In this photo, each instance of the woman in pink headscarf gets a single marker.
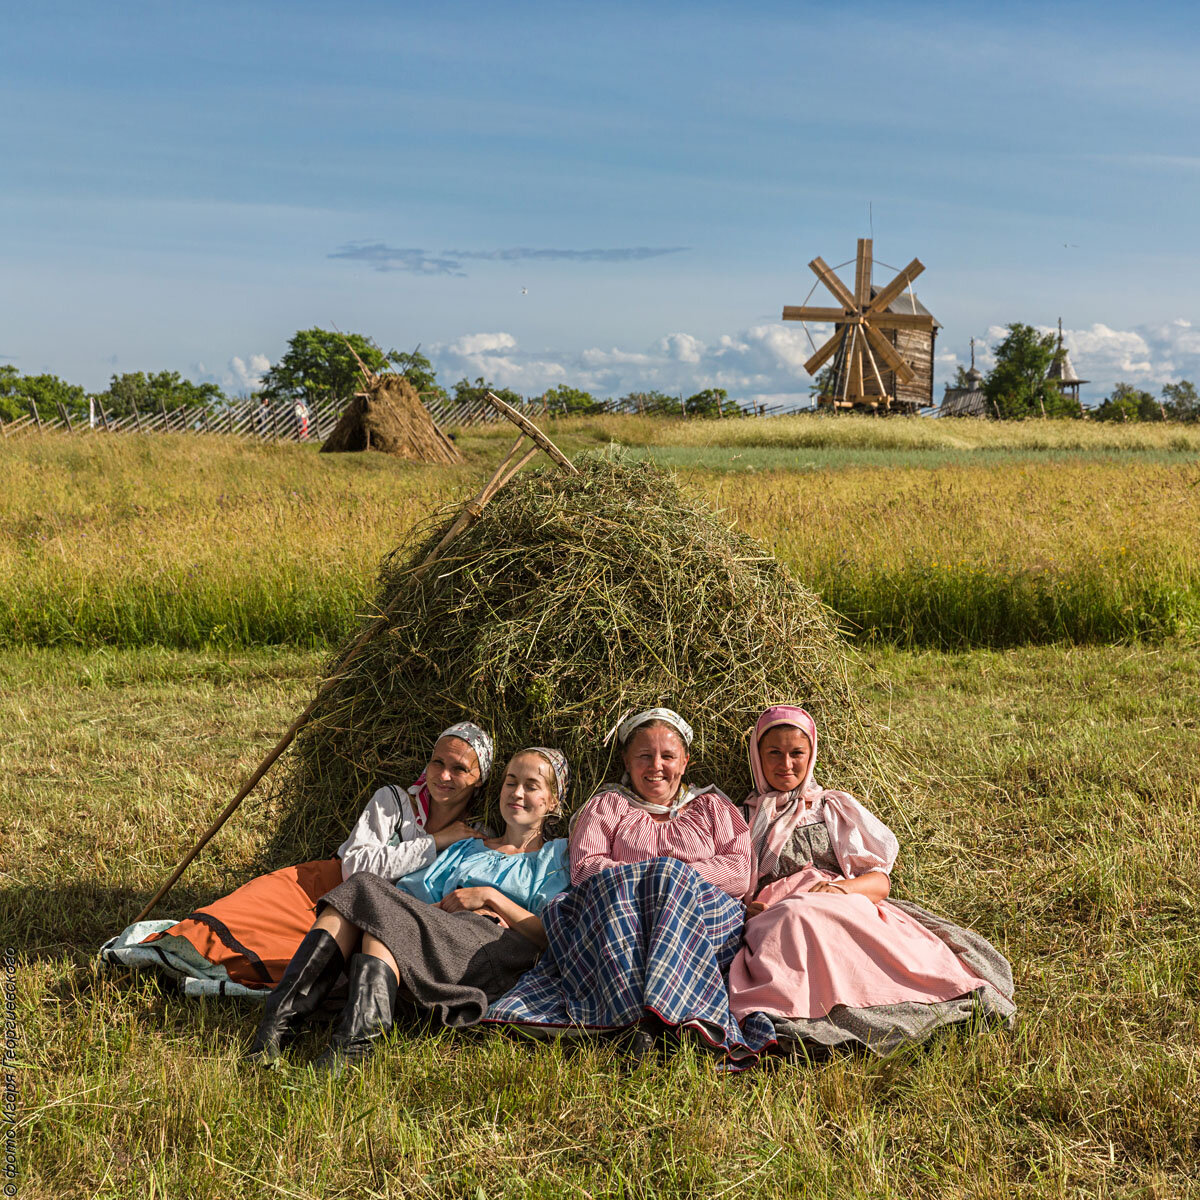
(827, 956)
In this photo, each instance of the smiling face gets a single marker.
(452, 773)
(528, 794)
(655, 758)
(786, 754)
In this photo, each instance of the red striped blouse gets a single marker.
(709, 835)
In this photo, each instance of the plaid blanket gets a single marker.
(649, 937)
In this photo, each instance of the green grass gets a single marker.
(1051, 801)
(1049, 532)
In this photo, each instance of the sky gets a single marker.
(616, 197)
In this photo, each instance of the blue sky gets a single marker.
(184, 186)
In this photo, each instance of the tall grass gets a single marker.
(187, 542)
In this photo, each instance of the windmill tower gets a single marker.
(881, 350)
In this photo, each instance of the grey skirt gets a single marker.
(452, 965)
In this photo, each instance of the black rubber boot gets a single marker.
(367, 1016)
(308, 979)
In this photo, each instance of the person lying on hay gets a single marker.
(654, 917)
(827, 956)
(448, 938)
(241, 943)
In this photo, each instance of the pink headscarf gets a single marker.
(861, 841)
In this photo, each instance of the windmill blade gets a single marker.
(889, 320)
(803, 312)
(862, 274)
(836, 287)
(887, 352)
(825, 353)
(894, 288)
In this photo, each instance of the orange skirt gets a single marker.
(254, 931)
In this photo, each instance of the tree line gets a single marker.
(322, 364)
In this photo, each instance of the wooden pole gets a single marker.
(37, 417)
(467, 516)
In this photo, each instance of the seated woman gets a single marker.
(827, 956)
(254, 931)
(447, 938)
(654, 917)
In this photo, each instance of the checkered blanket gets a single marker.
(649, 937)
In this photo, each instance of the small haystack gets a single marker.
(571, 600)
(390, 417)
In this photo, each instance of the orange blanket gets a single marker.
(254, 931)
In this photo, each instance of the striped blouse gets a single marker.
(709, 835)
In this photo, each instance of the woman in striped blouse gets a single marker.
(645, 936)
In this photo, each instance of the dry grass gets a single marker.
(1053, 806)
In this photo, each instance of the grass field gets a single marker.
(1052, 805)
(974, 535)
(165, 605)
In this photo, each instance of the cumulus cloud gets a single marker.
(239, 375)
(416, 261)
(762, 364)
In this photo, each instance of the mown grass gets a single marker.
(1051, 802)
(192, 542)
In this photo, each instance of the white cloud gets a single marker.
(765, 363)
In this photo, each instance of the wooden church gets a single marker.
(880, 356)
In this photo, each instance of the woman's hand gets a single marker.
(456, 831)
(828, 887)
(754, 908)
(470, 899)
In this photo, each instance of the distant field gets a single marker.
(975, 534)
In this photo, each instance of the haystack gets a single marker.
(571, 601)
(390, 417)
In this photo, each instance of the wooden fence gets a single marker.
(277, 421)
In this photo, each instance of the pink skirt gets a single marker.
(808, 952)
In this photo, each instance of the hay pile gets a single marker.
(390, 417)
(572, 600)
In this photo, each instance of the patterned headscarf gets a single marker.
(559, 765)
(480, 742)
(627, 726)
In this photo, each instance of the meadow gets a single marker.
(1025, 600)
(972, 535)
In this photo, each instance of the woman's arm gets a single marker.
(731, 863)
(875, 885)
(490, 899)
(592, 837)
(388, 813)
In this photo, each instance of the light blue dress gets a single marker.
(530, 880)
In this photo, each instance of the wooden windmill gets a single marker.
(882, 343)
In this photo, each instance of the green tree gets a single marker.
(710, 402)
(466, 391)
(1017, 385)
(571, 401)
(1128, 403)
(46, 391)
(418, 370)
(153, 392)
(318, 365)
(1180, 401)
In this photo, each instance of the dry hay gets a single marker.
(572, 600)
(390, 417)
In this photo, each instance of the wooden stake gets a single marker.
(468, 515)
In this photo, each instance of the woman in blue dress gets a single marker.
(449, 938)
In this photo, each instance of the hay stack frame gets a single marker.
(388, 416)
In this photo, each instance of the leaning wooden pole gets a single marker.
(468, 515)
